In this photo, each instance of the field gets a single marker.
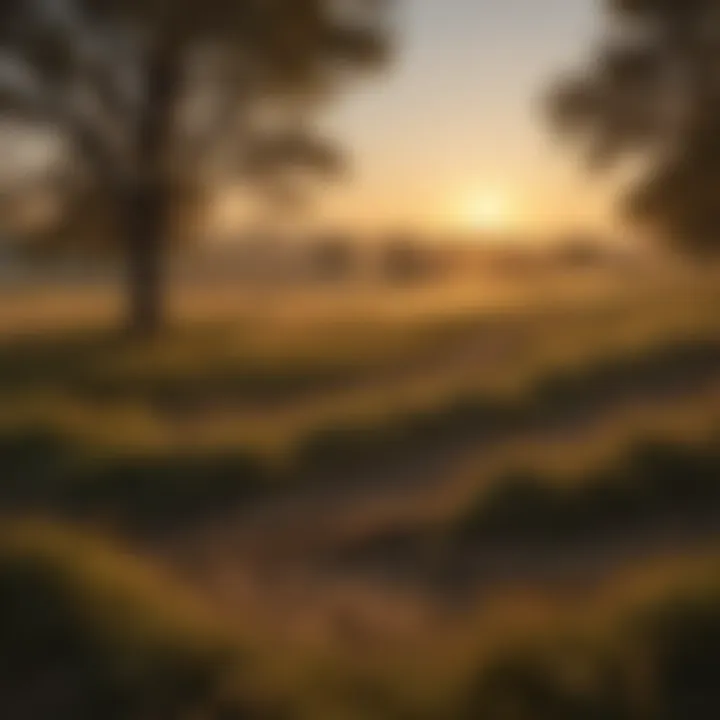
(451, 502)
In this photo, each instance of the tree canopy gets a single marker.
(651, 94)
(229, 84)
(152, 103)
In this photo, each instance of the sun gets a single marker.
(489, 210)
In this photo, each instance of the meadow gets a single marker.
(459, 501)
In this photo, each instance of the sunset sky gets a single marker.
(454, 135)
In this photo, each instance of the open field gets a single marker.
(337, 503)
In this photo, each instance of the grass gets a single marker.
(550, 488)
(193, 426)
(92, 631)
(646, 651)
(89, 630)
(547, 427)
(64, 456)
(655, 480)
(643, 645)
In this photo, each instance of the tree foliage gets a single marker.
(152, 104)
(651, 94)
(227, 83)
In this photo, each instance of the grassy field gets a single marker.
(455, 502)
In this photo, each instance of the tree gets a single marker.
(652, 95)
(153, 103)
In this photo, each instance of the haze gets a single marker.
(460, 115)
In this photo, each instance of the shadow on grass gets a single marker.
(654, 481)
(41, 469)
(90, 631)
(561, 397)
(657, 660)
(85, 365)
(41, 472)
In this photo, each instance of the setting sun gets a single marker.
(488, 210)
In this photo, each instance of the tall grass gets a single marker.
(653, 481)
(56, 456)
(90, 631)
(649, 650)
(167, 436)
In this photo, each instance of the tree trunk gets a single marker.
(147, 202)
(146, 257)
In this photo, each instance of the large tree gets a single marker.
(651, 94)
(152, 104)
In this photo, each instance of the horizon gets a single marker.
(453, 139)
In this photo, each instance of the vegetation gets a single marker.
(91, 631)
(316, 510)
(651, 92)
(649, 654)
(137, 164)
(184, 431)
(398, 501)
(654, 482)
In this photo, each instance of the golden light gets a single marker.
(487, 211)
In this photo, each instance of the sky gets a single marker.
(454, 134)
